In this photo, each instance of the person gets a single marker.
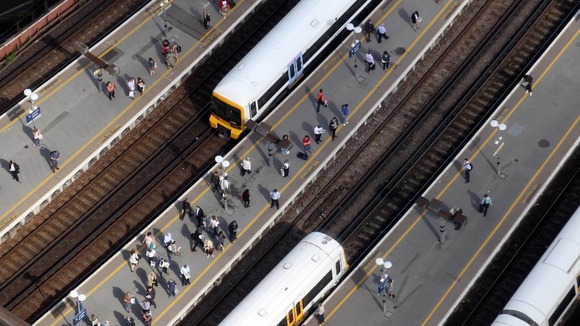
(246, 198)
(206, 18)
(197, 238)
(200, 216)
(152, 67)
(98, 73)
(214, 223)
(208, 248)
(214, 178)
(151, 255)
(285, 170)
(344, 113)
(140, 85)
(306, 144)
(172, 287)
(54, 157)
(318, 131)
(37, 137)
(320, 100)
(128, 301)
(527, 83)
(285, 151)
(275, 196)
(175, 48)
(467, 167)
(386, 60)
(131, 87)
(95, 320)
(133, 259)
(170, 59)
(146, 305)
(332, 126)
(370, 60)
(319, 314)
(14, 170)
(225, 184)
(369, 29)
(185, 275)
(415, 20)
(152, 279)
(129, 321)
(164, 264)
(148, 318)
(186, 208)
(382, 32)
(233, 228)
(148, 240)
(110, 90)
(224, 8)
(221, 237)
(175, 248)
(167, 239)
(151, 296)
(485, 203)
(165, 47)
(246, 166)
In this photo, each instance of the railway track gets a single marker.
(140, 177)
(45, 57)
(518, 256)
(405, 144)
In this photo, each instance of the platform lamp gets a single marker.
(355, 46)
(386, 282)
(31, 96)
(80, 310)
(163, 6)
(498, 141)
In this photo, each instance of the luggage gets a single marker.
(303, 156)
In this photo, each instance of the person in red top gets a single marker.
(320, 100)
(306, 144)
(111, 90)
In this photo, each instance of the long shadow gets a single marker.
(406, 16)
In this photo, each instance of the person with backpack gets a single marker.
(14, 170)
(467, 167)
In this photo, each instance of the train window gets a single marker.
(338, 267)
(299, 64)
(290, 318)
(308, 298)
(272, 91)
(299, 309)
(253, 109)
(571, 295)
(291, 71)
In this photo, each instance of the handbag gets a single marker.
(152, 263)
(131, 93)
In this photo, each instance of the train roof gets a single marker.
(295, 33)
(314, 255)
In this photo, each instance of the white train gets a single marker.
(278, 61)
(294, 286)
(552, 286)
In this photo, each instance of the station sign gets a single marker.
(35, 114)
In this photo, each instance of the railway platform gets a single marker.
(76, 116)
(430, 276)
(295, 117)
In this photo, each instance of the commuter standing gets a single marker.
(185, 275)
(200, 216)
(306, 144)
(246, 198)
(206, 18)
(152, 67)
(246, 166)
(197, 238)
(208, 248)
(172, 287)
(285, 170)
(275, 196)
(233, 228)
(332, 126)
(54, 157)
(151, 296)
(129, 321)
(485, 203)
(382, 32)
(369, 29)
(214, 223)
(214, 178)
(467, 166)
(140, 85)
(131, 87)
(186, 208)
(128, 301)
(148, 318)
(370, 60)
(224, 184)
(14, 170)
(320, 100)
(176, 49)
(133, 259)
(318, 131)
(152, 279)
(224, 8)
(146, 305)
(527, 83)
(344, 112)
(37, 137)
(319, 314)
(415, 20)
(386, 60)
(110, 90)
(164, 264)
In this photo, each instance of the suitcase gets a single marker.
(303, 156)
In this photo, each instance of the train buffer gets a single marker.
(436, 206)
(263, 130)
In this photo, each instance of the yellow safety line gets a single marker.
(404, 235)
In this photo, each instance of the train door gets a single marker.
(295, 314)
(295, 70)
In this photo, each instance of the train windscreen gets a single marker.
(226, 112)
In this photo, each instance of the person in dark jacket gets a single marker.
(233, 228)
(369, 29)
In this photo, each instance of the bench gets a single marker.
(435, 206)
(459, 219)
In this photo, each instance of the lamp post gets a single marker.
(163, 6)
(355, 46)
(80, 310)
(31, 98)
(498, 141)
(386, 282)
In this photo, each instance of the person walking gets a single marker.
(285, 170)
(214, 224)
(185, 272)
(332, 126)
(320, 100)
(200, 216)
(467, 167)
(95, 320)
(164, 264)
(14, 170)
(129, 321)
(344, 113)
(306, 144)
(110, 90)
(128, 301)
(168, 239)
(54, 157)
(318, 131)
(140, 85)
(145, 305)
(246, 198)
(369, 29)
(152, 67)
(206, 18)
(186, 208)
(172, 287)
(131, 87)
(197, 238)
(382, 32)
(527, 83)
(319, 314)
(221, 238)
(485, 203)
(370, 60)
(275, 196)
(37, 137)
(246, 166)
(208, 248)
(224, 185)
(148, 318)
(151, 296)
(133, 259)
(233, 228)
(415, 20)
(152, 279)
(385, 60)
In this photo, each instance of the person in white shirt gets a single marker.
(382, 31)
(370, 60)
(185, 275)
(275, 196)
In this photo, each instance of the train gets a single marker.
(293, 288)
(274, 67)
(551, 288)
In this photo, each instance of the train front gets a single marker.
(227, 115)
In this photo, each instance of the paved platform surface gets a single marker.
(77, 117)
(430, 277)
(295, 117)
